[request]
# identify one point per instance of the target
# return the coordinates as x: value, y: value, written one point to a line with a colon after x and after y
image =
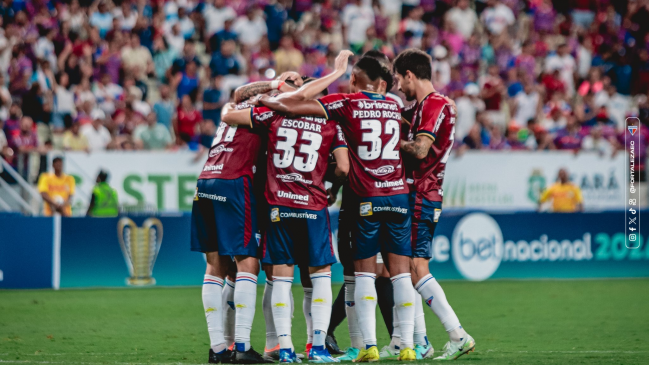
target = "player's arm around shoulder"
x: 231, y: 116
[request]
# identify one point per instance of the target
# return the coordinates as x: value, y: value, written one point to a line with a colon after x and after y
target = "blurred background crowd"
x: 153, y: 74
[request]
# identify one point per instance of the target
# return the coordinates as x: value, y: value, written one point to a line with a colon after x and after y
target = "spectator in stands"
x: 23, y: 142
x: 493, y: 89
x: 287, y: 57
x: 526, y: 104
x: 73, y: 140
x: 225, y: 62
x: 96, y: 133
x: 566, y: 65
x: 276, y: 15
x: 251, y: 27
x: 212, y: 101
x: 497, y: 17
x: 566, y: 197
x: 152, y: 135
x: 216, y: 12
x: 137, y: 58
x: 596, y: 142
x: 569, y: 138
x: 468, y: 107
x: 165, y: 107
x: 188, y: 118
x: 616, y: 104
x: 225, y: 34
x: 57, y: 190
x: 463, y: 17
x: 103, y: 202
x: 356, y: 18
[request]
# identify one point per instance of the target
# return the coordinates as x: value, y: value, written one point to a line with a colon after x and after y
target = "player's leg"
x: 397, y: 243
x: 211, y: 293
x: 366, y: 246
x: 320, y: 258
x: 245, y: 300
x: 384, y: 294
x: 229, y: 312
x: 426, y: 214
x: 337, y: 316
x: 385, y: 297
x: 204, y: 239
x: 422, y: 247
x: 307, y: 288
x: 271, y: 350
x: 237, y: 229
x: 278, y: 251
x: 282, y: 283
x: 346, y: 224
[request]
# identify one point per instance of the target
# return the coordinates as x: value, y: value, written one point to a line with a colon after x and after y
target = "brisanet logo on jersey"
x: 477, y: 246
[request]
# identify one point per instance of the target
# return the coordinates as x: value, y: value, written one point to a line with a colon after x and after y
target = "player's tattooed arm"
x: 245, y: 92
x: 292, y: 107
x: 419, y: 147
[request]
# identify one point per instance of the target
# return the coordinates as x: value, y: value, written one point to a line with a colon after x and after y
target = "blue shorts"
x: 298, y: 237
x: 425, y: 214
x: 383, y: 225
x: 224, y: 218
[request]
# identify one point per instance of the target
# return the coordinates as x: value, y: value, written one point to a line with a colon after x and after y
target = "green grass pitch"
x: 513, y: 322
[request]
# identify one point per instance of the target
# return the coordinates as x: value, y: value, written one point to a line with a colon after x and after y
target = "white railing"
x: 30, y: 206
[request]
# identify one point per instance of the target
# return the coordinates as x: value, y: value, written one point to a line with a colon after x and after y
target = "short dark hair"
x: 102, y: 176
x: 385, y: 63
x: 307, y: 79
x: 415, y: 61
x: 57, y: 159
x: 371, y: 67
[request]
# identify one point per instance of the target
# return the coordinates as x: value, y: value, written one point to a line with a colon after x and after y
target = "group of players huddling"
x: 262, y: 195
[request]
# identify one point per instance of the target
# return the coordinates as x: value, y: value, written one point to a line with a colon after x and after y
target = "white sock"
x: 228, y: 312
x: 212, y: 291
x: 350, y: 310
x: 404, y: 301
x: 306, y: 309
x: 281, y: 302
x: 432, y: 292
x: 420, y: 337
x: 271, y: 334
x: 395, y: 341
x: 321, y: 307
x: 245, y: 301
x: 365, y: 297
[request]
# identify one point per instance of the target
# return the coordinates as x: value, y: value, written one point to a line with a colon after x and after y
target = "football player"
x: 224, y: 226
x: 429, y: 144
x: 298, y: 150
x: 371, y: 124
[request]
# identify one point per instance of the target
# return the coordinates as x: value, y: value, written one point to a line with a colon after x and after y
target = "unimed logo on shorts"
x: 477, y: 246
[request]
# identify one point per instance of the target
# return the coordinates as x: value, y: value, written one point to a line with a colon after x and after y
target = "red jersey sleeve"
x: 339, y: 139
x: 262, y: 117
x: 336, y: 107
x: 434, y: 113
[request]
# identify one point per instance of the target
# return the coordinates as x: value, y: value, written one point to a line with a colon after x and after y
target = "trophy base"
x: 140, y: 281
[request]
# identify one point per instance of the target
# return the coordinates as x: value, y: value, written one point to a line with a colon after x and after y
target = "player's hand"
x: 342, y: 60
x: 259, y: 99
x: 331, y: 198
x: 293, y: 76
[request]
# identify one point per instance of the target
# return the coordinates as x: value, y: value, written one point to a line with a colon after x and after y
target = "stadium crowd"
x: 153, y: 75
